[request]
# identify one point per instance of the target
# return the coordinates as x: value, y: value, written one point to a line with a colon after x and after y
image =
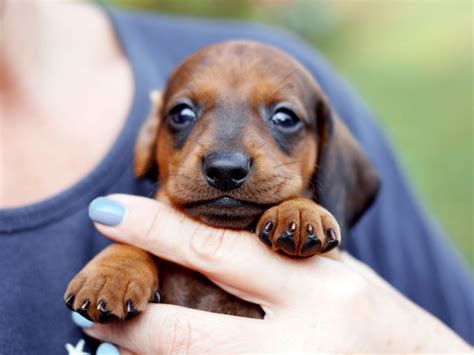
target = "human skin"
x: 320, y: 304
x: 42, y: 48
x: 65, y: 90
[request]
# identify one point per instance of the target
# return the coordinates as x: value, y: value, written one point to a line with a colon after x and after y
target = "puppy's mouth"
x: 226, y: 212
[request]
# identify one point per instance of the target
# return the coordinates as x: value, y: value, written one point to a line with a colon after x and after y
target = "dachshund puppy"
x: 241, y: 138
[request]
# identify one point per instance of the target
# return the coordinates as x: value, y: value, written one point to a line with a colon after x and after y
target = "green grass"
x: 411, y: 61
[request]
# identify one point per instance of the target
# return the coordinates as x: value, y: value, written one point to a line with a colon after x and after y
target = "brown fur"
x: 286, y: 198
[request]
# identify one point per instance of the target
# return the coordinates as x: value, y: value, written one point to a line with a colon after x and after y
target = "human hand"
x: 317, y: 304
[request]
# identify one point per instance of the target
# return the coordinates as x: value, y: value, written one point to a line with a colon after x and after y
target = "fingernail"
x: 105, y: 211
x: 107, y: 349
x: 80, y: 321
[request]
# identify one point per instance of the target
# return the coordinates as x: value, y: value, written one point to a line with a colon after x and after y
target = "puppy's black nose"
x: 226, y: 171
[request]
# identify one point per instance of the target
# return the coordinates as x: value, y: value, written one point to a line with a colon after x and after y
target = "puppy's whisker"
x: 289, y: 174
x: 181, y: 175
x: 284, y: 180
x: 175, y: 164
x: 198, y: 143
x: 272, y: 153
x: 280, y: 165
x: 282, y: 83
x: 314, y: 185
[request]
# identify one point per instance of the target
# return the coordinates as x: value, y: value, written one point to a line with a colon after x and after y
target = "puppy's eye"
x: 285, y: 118
x: 181, y: 116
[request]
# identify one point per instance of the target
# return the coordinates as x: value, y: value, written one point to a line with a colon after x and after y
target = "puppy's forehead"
x: 241, y: 69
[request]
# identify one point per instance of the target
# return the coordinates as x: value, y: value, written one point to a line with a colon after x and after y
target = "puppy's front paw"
x: 299, y: 227
x: 106, y: 290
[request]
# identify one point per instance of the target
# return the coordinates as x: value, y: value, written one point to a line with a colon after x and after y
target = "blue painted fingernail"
x: 105, y: 211
x: 80, y: 321
x: 107, y: 349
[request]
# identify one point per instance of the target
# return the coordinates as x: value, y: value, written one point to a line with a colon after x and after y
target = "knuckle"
x: 149, y: 229
x: 356, y: 290
x: 179, y: 333
x: 116, y: 331
x: 208, y: 248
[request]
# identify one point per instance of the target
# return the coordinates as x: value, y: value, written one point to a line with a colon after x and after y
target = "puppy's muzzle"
x: 227, y: 170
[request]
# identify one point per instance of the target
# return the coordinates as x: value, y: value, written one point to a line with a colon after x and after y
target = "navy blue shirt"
x: 43, y: 245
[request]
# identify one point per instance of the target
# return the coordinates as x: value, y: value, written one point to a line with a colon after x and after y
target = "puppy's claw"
x: 105, y: 316
x: 292, y: 227
x: 332, y: 241
x: 311, y: 245
x: 331, y: 234
x: 83, y: 310
x: 330, y: 245
x: 69, y: 301
x: 264, y: 236
x: 132, y: 312
x: 268, y: 226
x: 85, y: 305
x: 287, y: 240
x: 156, y: 297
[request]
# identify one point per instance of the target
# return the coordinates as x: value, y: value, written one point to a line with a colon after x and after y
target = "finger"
x: 171, y: 329
x: 236, y: 261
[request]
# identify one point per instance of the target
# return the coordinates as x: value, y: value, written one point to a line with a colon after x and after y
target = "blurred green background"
x: 410, y: 60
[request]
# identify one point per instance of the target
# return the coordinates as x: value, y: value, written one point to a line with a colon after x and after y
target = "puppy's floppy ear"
x: 146, y: 165
x: 345, y: 180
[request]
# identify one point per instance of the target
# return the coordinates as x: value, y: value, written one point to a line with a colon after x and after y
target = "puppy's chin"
x: 226, y: 212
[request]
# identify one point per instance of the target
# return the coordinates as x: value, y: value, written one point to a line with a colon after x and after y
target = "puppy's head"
x: 243, y: 126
